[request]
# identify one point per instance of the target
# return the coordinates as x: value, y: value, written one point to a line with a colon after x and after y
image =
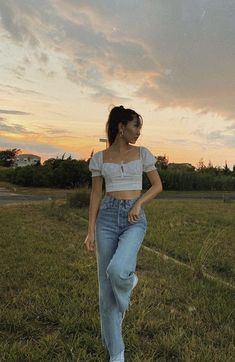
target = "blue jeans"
x: 117, y: 244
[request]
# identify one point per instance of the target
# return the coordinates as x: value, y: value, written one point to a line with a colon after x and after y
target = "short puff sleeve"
x: 149, y: 160
x: 95, y: 165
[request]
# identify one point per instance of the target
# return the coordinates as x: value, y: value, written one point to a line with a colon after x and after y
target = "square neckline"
x: 122, y: 163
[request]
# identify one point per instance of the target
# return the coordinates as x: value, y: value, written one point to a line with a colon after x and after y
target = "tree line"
x: 70, y: 173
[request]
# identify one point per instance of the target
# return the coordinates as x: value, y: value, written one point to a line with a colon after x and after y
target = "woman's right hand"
x: 90, y: 242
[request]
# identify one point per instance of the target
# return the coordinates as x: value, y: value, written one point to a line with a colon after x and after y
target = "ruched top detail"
x: 124, y: 176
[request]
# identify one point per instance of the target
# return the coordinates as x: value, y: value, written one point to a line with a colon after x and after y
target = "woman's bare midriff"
x: 127, y: 194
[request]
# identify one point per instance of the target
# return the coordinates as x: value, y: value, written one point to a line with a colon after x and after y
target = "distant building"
x: 26, y: 160
x: 181, y: 166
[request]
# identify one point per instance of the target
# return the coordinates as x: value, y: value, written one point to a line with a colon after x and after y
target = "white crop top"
x: 124, y: 176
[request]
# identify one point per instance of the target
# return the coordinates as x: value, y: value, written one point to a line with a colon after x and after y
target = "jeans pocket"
x: 142, y: 217
x: 104, y: 205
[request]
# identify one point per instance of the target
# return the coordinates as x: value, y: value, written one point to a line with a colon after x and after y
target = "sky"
x: 65, y: 63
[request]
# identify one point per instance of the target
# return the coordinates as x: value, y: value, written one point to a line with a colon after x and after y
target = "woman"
x: 118, y: 222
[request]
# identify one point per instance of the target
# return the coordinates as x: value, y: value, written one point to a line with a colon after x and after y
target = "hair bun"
x: 121, y: 107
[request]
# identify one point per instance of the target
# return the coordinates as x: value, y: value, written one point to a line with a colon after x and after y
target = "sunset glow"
x: 63, y: 64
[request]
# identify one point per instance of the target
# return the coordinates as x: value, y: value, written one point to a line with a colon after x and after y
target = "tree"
x: 52, y: 162
x: 201, y: 166
x: 226, y: 170
x: 7, y: 157
x: 162, y: 162
x: 91, y: 155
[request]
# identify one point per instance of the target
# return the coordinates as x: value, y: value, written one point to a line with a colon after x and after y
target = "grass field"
x: 49, y: 290
x: 63, y: 192
x: 33, y: 190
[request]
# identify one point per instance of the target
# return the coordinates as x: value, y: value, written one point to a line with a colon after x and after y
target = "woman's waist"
x: 124, y: 194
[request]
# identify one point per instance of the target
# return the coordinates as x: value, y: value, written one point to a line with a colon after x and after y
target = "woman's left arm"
x: 153, y: 191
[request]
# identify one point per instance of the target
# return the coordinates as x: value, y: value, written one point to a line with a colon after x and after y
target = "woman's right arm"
x: 95, y: 198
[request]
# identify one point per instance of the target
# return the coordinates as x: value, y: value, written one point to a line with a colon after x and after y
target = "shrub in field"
x: 59, y: 173
x: 29, y: 176
x: 68, y: 172
x: 72, y: 173
x: 4, y: 173
x: 184, y: 180
x: 79, y: 198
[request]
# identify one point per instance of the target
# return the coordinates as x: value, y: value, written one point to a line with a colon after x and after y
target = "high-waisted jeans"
x: 117, y: 244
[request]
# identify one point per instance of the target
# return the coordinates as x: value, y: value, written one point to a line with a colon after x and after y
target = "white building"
x: 26, y: 160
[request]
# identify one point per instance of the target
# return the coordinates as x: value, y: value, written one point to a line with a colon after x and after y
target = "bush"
x: 60, y: 173
x: 183, y: 180
x: 4, y: 171
x: 79, y: 198
x: 71, y: 173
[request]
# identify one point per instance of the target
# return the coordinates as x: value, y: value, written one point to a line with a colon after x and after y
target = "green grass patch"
x: 34, y: 190
x: 187, y: 230
x: 49, y: 289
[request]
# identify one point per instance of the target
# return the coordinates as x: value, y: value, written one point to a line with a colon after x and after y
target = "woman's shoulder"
x: 96, y: 158
x: 145, y: 148
x: 147, y: 155
x: 145, y: 151
x: 98, y: 154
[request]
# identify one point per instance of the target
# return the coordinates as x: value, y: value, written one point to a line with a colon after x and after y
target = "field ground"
x: 49, y: 300
x: 61, y: 193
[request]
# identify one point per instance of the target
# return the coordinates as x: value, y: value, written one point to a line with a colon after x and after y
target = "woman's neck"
x: 120, y: 147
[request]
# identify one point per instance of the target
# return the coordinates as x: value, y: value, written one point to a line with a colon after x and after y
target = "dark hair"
x: 117, y: 115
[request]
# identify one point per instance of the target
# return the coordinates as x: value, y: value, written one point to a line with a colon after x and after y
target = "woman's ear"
x: 120, y: 128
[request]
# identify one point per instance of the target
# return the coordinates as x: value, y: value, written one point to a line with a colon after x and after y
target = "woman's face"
x: 131, y: 131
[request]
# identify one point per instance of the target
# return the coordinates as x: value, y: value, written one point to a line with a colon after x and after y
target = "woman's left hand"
x: 133, y: 214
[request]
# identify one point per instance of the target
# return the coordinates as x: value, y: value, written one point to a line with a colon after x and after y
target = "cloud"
x: 19, y: 71
x: 19, y: 90
x: 221, y: 138
x: 18, y: 30
x: 7, y: 111
x: 87, y: 49
x: 231, y: 127
x: 107, y: 97
x: 41, y: 148
x: 173, y: 54
x: 43, y: 132
x: 183, y: 55
x: 91, y: 80
x: 12, y: 128
x: 56, y: 131
x: 227, y: 140
x: 48, y: 141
